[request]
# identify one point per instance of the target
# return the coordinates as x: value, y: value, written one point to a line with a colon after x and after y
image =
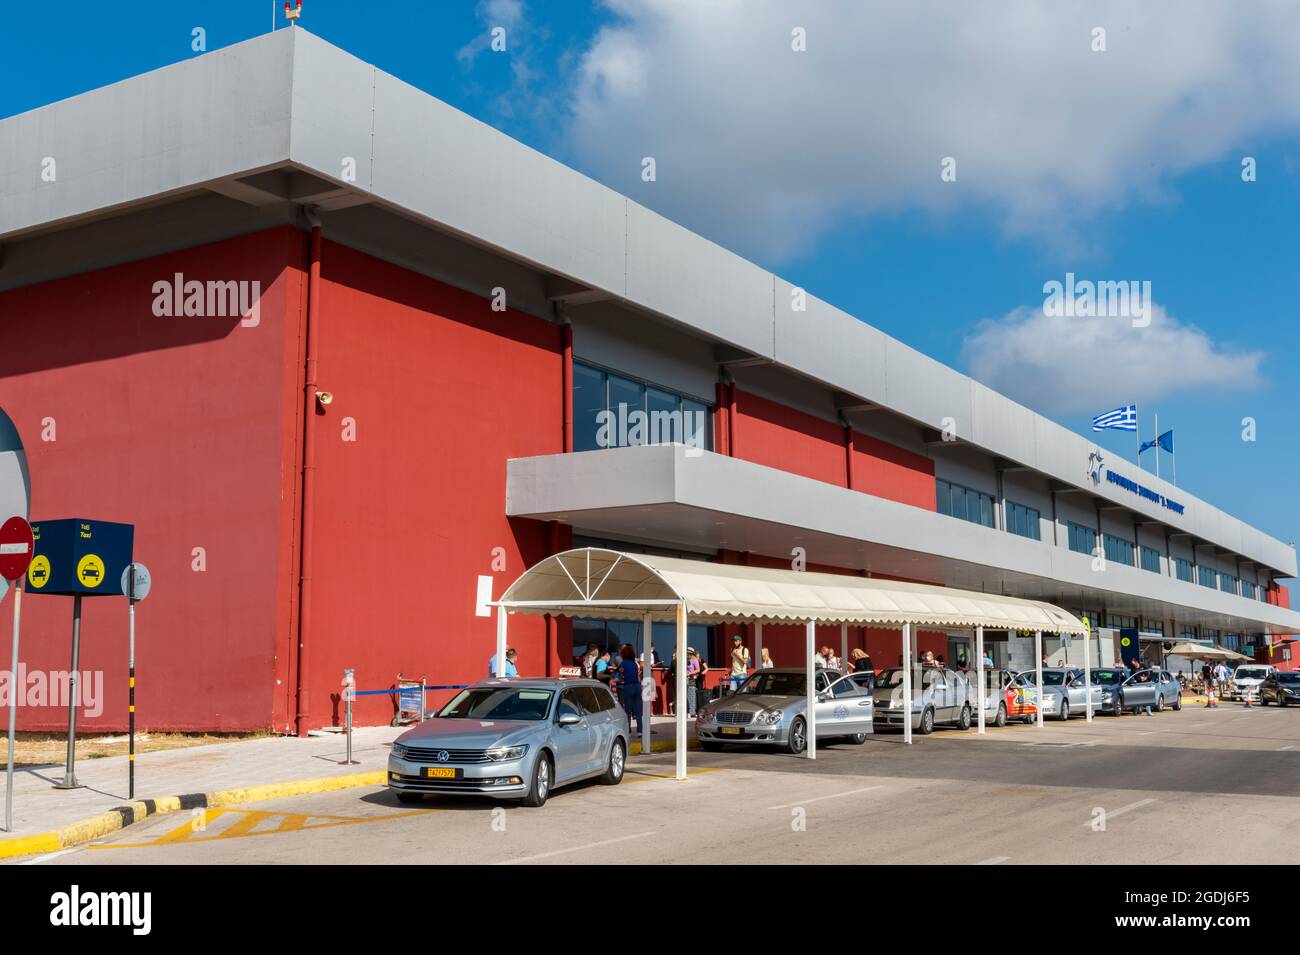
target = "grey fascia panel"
x: 333, y: 110
x: 221, y: 114
x: 997, y: 421
x: 801, y: 344
x: 690, y: 280
x: 924, y: 389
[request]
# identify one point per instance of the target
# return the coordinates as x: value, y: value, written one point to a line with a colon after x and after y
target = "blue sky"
x: 823, y: 165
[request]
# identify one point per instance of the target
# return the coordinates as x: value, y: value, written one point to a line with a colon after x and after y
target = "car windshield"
x: 1250, y: 673
x: 1050, y: 677
x: 775, y: 684
x: 1288, y: 678
x: 1108, y: 677
x: 894, y: 677
x: 499, y: 703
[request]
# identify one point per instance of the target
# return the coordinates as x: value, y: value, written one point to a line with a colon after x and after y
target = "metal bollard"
x: 349, y: 694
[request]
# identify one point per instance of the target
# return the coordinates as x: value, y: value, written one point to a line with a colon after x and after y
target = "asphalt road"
x: 1199, y: 786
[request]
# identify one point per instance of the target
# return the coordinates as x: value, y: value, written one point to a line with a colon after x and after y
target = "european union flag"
x: 1165, y: 443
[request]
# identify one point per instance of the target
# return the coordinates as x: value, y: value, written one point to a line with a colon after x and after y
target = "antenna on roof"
x: 292, y: 13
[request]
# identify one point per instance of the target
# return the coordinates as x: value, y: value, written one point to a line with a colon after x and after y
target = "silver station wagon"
x: 769, y: 709
x: 939, y: 696
x: 513, y: 739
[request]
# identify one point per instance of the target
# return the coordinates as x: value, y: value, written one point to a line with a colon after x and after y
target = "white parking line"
x: 41, y: 860
x: 996, y: 860
x: 804, y: 802
x: 1111, y: 814
x: 589, y: 845
x: 1283, y: 749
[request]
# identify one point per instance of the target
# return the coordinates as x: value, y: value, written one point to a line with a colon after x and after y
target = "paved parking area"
x: 1068, y: 793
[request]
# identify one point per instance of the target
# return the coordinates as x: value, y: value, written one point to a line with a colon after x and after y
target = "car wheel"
x: 1065, y: 711
x: 1281, y: 701
x: 709, y: 746
x: 927, y: 722
x: 798, y: 738
x: 617, y: 762
x: 1001, y: 719
x: 857, y: 739
x: 1160, y: 703
x: 963, y: 722
x: 410, y: 797
x: 535, y: 798
x: 1178, y: 702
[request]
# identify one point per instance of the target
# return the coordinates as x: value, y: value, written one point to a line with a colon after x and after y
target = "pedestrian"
x: 765, y: 659
x: 860, y: 661
x: 602, y: 668
x: 832, y: 661
x: 695, y: 670
x: 630, y: 686
x: 739, y: 662
x: 1143, y: 677
x: 939, y: 662
x: 927, y: 659
x: 589, y: 661
x: 670, y: 686
x: 510, y: 669
x: 819, y: 659
x: 988, y: 660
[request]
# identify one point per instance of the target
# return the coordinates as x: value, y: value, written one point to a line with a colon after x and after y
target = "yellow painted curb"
x: 663, y: 745
x: 106, y: 823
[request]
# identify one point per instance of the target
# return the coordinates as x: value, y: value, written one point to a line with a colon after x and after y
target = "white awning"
x: 593, y: 582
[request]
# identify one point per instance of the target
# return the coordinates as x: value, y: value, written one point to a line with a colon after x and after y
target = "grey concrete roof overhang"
x: 288, y: 116
x: 698, y: 499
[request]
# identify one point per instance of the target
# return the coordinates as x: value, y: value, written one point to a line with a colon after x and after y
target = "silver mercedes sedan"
x: 1064, y: 692
x: 769, y: 709
x: 513, y: 739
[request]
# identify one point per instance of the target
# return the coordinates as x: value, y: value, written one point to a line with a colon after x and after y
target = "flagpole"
x: 1157, y: 444
x: 1137, y: 434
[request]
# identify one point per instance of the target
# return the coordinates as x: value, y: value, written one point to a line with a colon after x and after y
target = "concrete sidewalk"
x: 38, y: 807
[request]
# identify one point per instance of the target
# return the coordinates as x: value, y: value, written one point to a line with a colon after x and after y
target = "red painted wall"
x: 781, y: 437
x: 177, y: 426
x: 442, y: 391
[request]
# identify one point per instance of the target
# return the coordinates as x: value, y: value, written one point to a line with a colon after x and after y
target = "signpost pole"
x: 13, y: 712
x: 74, y: 690
x: 130, y: 784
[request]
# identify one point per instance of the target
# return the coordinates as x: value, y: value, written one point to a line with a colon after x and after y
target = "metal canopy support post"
x: 1087, y: 673
x: 758, y: 645
x: 74, y: 688
x: 501, y: 645
x: 979, y: 692
x: 648, y: 679
x: 844, y: 647
x: 681, y: 689
x: 810, y: 714
x: 1038, y: 663
x: 907, y: 683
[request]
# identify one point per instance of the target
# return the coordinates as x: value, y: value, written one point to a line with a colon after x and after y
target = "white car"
x: 1247, y: 678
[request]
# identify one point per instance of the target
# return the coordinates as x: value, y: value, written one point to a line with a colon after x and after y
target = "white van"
x: 1247, y: 678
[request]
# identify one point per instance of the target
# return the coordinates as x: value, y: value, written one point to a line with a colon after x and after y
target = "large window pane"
x: 665, y: 418
x: 695, y: 422
x: 588, y: 403
x: 627, y: 412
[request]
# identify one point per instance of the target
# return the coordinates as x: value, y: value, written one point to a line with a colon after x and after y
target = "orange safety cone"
x: 1209, y: 698
x: 1246, y: 694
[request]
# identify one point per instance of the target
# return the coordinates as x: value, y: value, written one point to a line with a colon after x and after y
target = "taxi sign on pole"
x: 142, y: 581
x: 80, y: 558
x: 16, y: 548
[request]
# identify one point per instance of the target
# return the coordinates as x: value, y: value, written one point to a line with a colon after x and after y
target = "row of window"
x: 612, y: 411
x: 969, y: 505
x: 1121, y: 551
x: 1025, y: 521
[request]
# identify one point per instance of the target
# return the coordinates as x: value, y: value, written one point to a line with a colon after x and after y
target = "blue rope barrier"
x: 408, y: 689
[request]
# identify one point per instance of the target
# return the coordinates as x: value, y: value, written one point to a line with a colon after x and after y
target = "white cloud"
x: 1087, y: 365
x: 508, y: 14
x: 766, y: 149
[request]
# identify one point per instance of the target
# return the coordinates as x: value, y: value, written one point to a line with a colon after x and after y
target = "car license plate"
x: 442, y: 772
x: 731, y: 731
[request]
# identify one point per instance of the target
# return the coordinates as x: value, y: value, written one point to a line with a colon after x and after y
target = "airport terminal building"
x: 341, y: 352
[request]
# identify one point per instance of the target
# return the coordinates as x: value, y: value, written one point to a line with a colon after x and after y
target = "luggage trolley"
x: 410, y: 701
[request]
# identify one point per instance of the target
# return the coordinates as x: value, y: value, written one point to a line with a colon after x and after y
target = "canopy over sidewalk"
x: 595, y: 582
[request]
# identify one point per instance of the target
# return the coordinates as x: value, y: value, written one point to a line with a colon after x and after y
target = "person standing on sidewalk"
x: 630, y: 687
x: 739, y: 662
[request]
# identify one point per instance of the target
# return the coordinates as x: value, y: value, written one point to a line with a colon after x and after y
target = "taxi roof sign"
x: 79, y: 557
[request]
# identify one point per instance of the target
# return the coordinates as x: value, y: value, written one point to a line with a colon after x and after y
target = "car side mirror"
x: 570, y: 719
x: 823, y: 696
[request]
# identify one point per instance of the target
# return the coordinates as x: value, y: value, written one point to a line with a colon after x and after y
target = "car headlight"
x: 399, y: 751
x: 498, y: 753
x: 770, y: 717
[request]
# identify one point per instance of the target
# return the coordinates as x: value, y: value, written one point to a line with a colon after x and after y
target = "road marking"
x: 40, y: 860
x: 246, y: 822
x: 1112, y: 813
x: 996, y: 860
x: 1283, y: 749
x: 804, y: 802
x: 589, y: 845
x: 634, y: 776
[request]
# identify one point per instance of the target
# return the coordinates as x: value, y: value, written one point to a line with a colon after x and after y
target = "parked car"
x: 1248, y: 678
x: 939, y: 696
x: 1065, y: 692
x: 513, y: 739
x: 1110, y: 681
x: 1140, y: 690
x: 1000, y: 697
x: 769, y: 709
x: 1171, y: 691
x: 1280, y: 688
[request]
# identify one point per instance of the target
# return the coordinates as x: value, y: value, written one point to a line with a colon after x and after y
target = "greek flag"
x: 1121, y: 419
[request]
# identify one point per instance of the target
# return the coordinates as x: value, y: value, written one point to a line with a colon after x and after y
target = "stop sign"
x: 15, y: 548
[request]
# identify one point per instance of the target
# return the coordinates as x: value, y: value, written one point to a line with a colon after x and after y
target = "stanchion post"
x: 74, y: 686
x: 130, y: 716
x: 349, y: 694
x: 13, y: 711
